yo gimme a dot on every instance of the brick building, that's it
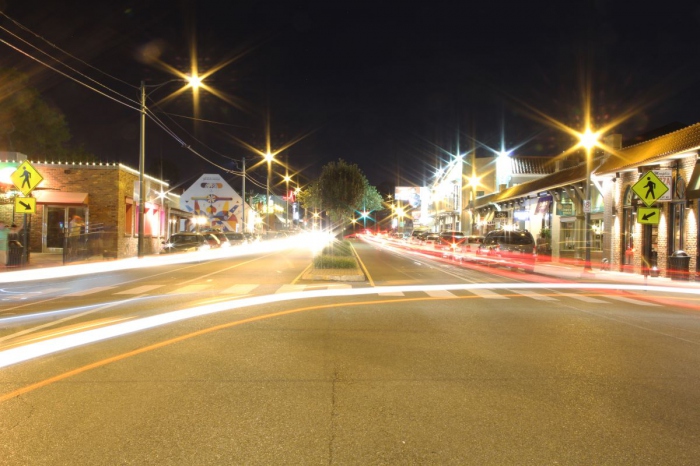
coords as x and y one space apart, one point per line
105 196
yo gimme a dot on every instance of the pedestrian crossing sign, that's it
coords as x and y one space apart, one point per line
25 205
26 178
649 188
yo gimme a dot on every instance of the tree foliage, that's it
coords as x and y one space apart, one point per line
341 187
28 124
341 190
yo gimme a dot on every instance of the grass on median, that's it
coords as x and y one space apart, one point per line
338 255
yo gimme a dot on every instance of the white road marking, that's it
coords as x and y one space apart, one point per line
533 295
91 291
632 300
585 299
140 289
440 294
240 289
487 294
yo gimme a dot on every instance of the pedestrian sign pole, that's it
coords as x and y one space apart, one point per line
25 179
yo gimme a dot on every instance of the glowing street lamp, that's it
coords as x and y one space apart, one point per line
287 179
588 140
269 157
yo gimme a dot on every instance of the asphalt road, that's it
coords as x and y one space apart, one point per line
407 372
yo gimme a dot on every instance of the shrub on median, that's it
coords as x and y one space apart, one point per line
337 255
325 261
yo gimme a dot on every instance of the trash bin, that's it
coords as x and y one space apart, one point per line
14 253
679 266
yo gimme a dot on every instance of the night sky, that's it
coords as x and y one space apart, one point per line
395 87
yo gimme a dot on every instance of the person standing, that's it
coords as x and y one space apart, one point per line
3 244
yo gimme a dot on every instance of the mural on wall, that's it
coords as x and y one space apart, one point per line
212 197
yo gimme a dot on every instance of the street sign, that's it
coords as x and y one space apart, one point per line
649 188
26 178
586 206
666 177
25 205
648 215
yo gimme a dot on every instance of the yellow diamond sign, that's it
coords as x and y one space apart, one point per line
649 188
26 178
25 205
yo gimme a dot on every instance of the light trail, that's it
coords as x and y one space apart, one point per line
39 349
300 241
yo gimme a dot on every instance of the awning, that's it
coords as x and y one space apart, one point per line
60 197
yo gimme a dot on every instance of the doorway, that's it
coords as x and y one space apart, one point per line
56 221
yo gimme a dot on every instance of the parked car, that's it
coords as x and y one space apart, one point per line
236 239
185 242
516 248
451 241
431 239
220 237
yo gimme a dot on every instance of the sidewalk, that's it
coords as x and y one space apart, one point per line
551 269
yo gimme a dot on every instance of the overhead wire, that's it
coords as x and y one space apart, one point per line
24 28
151 114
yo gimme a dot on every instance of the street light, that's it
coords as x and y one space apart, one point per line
286 196
269 157
192 81
588 140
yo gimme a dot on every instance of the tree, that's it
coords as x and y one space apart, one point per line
341 188
30 125
371 199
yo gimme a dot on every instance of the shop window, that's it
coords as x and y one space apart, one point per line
676 238
567 236
597 230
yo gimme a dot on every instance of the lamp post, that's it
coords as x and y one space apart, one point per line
193 82
588 141
286 196
269 157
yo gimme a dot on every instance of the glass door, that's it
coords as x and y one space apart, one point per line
55 223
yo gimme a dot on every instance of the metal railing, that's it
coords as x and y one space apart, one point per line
95 242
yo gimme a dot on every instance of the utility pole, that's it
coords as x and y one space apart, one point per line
243 196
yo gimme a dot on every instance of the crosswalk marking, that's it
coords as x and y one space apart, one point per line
632 300
487 294
140 289
391 293
240 289
533 295
585 299
290 288
440 294
91 291
51 290
190 289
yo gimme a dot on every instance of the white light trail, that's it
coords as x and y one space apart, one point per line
43 348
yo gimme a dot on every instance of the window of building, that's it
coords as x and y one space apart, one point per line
676 238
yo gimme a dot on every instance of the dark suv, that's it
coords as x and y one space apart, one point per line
185 242
452 241
516 248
